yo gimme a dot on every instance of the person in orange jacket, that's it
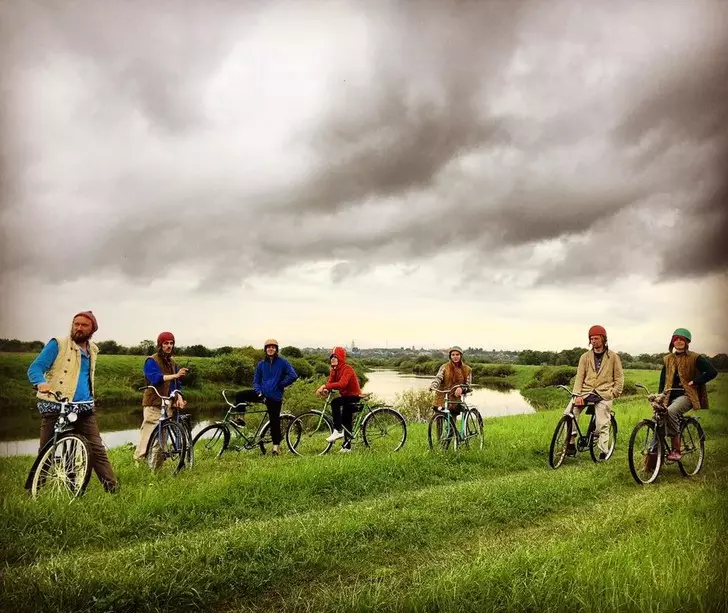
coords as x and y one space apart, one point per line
342 378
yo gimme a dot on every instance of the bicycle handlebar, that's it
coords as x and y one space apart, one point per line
230 404
156 391
582 395
467 389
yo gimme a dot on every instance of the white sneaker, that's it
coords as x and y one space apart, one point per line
335 436
345 450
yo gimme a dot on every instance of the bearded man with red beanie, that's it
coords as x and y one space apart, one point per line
67 365
342 377
600 375
161 371
685 373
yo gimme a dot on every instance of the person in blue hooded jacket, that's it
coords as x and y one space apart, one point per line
273 374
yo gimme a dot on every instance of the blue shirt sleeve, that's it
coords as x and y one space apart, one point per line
42 363
152 372
291 375
258 378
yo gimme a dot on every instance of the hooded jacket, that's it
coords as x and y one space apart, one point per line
273 376
343 377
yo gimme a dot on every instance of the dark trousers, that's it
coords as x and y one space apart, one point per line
343 409
274 411
88 427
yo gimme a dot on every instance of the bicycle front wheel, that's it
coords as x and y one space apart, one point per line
384 429
441 433
211 441
560 442
167 448
645 452
473 429
307 434
265 436
62 470
594 448
692 442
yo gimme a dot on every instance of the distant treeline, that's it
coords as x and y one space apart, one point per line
418 361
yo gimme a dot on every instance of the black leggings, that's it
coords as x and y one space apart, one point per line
343 409
274 412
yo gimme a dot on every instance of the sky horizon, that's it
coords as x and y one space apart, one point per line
496 175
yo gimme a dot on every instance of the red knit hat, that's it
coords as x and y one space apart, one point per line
91 317
164 336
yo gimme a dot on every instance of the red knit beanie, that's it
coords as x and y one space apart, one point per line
91 317
164 336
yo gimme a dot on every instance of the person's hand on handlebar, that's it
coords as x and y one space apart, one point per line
579 401
322 391
45 388
458 392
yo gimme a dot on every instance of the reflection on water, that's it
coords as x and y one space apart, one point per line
492 400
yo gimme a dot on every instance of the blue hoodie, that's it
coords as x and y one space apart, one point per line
272 376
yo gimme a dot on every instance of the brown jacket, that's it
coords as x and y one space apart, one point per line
685 365
608 382
150 399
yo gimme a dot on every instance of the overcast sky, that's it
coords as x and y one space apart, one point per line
490 174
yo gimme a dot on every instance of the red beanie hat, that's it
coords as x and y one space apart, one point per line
164 336
91 317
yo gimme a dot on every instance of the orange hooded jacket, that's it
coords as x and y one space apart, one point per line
343 377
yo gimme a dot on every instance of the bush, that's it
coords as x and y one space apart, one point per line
552 375
232 367
302 367
301 397
415 404
291 352
492 370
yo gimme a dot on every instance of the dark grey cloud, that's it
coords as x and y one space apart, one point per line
485 129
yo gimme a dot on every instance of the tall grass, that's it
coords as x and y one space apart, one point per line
491 530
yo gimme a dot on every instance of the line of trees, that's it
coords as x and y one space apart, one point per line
565 357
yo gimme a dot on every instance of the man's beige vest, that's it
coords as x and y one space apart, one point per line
65 370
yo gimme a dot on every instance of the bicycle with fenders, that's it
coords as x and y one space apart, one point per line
381 428
649 446
169 446
568 426
233 434
443 432
62 468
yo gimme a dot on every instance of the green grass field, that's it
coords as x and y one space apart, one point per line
494 530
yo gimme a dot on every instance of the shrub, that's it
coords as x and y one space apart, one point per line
552 375
300 397
415 404
302 367
232 367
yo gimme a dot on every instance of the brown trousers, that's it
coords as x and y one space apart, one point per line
88 427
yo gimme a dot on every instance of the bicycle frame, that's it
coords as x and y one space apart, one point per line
366 409
452 419
239 431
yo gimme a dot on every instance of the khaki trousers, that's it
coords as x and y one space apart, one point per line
603 414
88 427
150 421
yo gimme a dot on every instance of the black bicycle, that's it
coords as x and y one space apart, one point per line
568 426
649 447
232 431
62 468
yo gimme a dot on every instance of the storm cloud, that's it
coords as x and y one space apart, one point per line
543 143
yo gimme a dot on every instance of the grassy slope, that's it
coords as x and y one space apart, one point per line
495 530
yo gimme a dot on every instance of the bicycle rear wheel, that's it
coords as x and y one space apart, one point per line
167 448
645 452
594 449
474 437
441 433
62 470
560 442
211 441
267 440
384 429
307 434
692 442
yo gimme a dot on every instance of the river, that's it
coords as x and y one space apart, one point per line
385 384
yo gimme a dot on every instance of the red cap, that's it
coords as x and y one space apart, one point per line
91 317
597 330
164 336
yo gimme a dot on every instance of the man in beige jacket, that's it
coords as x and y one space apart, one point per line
599 379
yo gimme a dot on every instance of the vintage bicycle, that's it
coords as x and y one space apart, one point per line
169 444
381 427
62 468
232 432
568 425
442 430
649 447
